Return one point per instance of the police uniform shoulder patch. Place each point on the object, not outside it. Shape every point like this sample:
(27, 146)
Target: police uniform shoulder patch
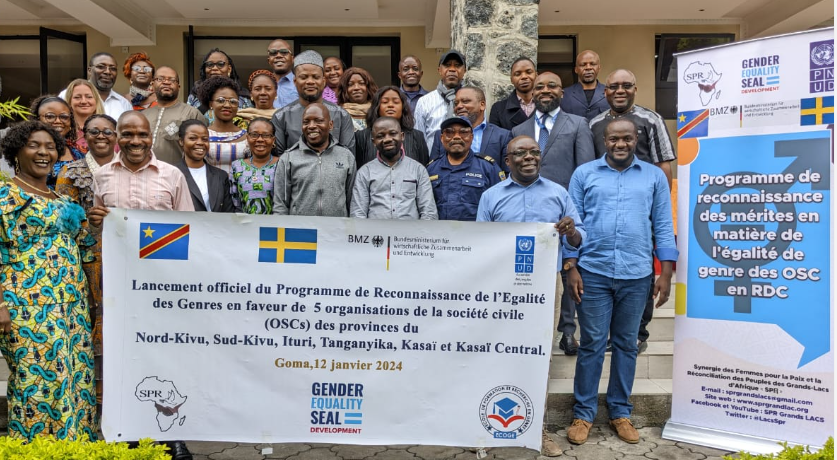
(434, 177)
(502, 175)
(486, 158)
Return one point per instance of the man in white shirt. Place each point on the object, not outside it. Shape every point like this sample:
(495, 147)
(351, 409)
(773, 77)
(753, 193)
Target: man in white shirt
(102, 72)
(436, 106)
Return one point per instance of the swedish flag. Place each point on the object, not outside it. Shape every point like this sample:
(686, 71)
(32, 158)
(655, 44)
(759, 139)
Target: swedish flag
(816, 111)
(164, 241)
(288, 245)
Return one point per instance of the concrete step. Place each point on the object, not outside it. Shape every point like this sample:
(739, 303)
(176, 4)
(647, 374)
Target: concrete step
(651, 399)
(654, 363)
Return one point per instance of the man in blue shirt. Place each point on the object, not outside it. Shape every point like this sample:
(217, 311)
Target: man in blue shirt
(528, 197)
(459, 176)
(489, 140)
(280, 57)
(620, 200)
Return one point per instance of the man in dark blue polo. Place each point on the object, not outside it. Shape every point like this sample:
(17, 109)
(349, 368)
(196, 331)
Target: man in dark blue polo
(459, 176)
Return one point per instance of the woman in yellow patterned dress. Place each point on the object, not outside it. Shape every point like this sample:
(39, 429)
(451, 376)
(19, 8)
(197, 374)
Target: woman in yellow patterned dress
(44, 317)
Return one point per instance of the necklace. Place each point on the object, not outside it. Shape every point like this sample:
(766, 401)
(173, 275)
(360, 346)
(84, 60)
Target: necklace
(269, 162)
(45, 192)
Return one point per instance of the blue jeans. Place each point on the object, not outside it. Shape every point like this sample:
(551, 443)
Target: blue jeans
(608, 306)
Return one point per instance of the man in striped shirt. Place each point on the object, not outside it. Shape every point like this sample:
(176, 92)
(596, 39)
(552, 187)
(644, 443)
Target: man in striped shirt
(437, 106)
(653, 145)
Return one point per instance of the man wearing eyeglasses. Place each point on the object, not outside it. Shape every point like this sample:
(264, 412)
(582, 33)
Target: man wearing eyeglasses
(459, 177)
(165, 118)
(653, 145)
(102, 71)
(280, 56)
(565, 142)
(529, 197)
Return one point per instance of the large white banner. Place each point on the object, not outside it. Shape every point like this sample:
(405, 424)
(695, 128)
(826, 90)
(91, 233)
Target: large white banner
(223, 327)
(754, 343)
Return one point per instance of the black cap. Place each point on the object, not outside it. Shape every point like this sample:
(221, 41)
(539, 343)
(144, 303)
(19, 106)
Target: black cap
(455, 121)
(452, 54)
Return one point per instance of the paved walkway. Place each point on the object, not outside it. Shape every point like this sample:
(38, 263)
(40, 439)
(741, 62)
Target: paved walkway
(602, 445)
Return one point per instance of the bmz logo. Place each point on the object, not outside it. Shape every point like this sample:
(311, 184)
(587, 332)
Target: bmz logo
(506, 412)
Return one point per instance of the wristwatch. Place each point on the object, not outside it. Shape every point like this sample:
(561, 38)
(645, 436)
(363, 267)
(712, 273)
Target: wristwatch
(568, 264)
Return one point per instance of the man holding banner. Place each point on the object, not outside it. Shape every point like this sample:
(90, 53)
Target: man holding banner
(528, 197)
(615, 195)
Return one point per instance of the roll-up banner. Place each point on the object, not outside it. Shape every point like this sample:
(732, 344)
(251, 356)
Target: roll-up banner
(753, 342)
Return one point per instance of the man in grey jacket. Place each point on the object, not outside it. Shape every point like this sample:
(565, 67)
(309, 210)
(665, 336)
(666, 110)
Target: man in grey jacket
(310, 81)
(315, 176)
(393, 185)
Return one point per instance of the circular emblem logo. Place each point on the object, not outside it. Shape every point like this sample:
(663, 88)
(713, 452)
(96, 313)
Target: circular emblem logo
(524, 244)
(377, 241)
(506, 412)
(823, 54)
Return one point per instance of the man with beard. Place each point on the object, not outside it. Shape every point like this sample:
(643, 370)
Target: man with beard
(459, 176)
(309, 78)
(587, 97)
(518, 107)
(165, 118)
(489, 140)
(393, 186)
(323, 173)
(410, 73)
(137, 180)
(528, 197)
(565, 143)
(280, 57)
(653, 145)
(620, 199)
(101, 71)
(436, 106)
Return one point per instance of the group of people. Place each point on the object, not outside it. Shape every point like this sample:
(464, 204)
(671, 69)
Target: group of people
(308, 136)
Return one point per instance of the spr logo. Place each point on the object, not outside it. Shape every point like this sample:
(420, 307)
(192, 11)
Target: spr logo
(506, 412)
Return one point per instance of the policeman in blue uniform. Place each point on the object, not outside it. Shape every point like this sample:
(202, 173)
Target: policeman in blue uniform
(460, 176)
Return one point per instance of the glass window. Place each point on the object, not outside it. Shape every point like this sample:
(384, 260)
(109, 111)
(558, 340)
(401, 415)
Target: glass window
(20, 70)
(557, 54)
(377, 60)
(666, 75)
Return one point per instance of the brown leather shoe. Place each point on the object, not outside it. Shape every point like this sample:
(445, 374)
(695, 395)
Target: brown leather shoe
(548, 447)
(625, 430)
(577, 432)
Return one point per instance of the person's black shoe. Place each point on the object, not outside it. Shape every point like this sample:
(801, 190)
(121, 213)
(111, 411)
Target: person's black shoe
(568, 344)
(178, 450)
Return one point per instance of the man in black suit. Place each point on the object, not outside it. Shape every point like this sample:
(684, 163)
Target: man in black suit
(587, 97)
(518, 107)
(565, 142)
(489, 140)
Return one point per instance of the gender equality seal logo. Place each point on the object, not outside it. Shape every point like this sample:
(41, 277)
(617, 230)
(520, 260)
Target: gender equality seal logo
(506, 412)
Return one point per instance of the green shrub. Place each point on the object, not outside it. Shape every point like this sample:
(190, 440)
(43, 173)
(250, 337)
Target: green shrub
(46, 448)
(793, 453)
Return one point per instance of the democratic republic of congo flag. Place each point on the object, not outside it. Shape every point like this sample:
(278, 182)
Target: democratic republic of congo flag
(164, 241)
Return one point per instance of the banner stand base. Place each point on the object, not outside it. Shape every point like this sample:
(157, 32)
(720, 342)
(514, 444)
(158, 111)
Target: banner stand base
(723, 440)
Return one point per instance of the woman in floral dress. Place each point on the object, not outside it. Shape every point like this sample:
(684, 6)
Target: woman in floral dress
(44, 318)
(252, 178)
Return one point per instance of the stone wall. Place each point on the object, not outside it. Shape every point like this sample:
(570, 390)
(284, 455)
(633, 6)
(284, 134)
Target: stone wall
(492, 34)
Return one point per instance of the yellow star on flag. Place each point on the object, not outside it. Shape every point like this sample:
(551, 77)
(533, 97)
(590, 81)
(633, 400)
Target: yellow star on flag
(148, 232)
(682, 118)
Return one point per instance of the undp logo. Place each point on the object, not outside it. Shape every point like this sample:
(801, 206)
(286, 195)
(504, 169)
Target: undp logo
(506, 412)
(524, 255)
